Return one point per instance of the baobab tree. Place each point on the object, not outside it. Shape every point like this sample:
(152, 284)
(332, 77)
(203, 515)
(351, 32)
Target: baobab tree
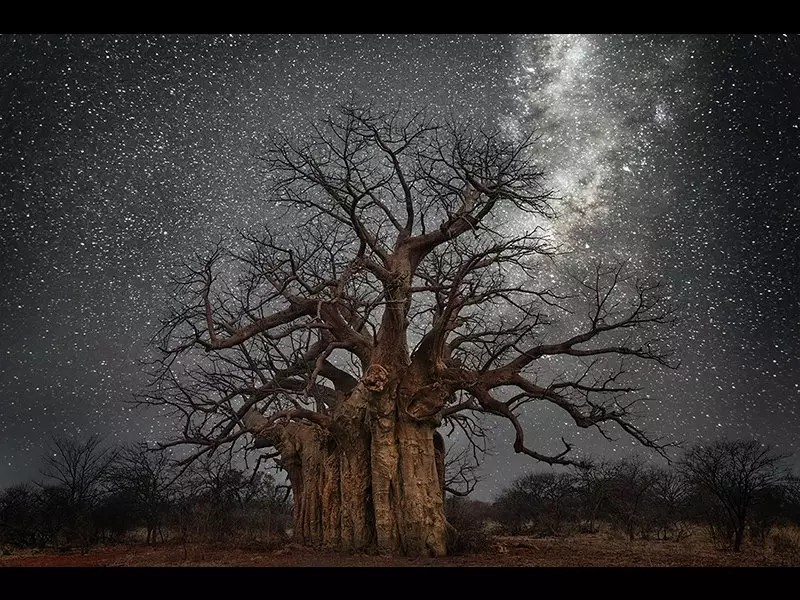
(390, 300)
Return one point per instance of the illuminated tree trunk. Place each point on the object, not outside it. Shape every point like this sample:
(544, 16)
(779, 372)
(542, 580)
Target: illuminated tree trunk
(408, 500)
(371, 482)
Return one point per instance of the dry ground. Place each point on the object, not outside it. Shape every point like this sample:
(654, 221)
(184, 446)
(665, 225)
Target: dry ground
(579, 550)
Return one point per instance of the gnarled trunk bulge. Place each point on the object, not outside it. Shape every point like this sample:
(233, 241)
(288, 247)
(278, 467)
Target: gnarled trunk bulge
(370, 481)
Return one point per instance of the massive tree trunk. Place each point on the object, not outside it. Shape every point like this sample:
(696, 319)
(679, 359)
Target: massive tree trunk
(369, 482)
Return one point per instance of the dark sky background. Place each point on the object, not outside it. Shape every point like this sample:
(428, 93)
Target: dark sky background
(119, 155)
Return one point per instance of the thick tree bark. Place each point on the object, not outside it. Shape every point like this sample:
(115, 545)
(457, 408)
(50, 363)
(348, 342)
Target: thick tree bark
(372, 482)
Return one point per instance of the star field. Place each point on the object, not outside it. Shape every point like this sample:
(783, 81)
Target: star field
(121, 155)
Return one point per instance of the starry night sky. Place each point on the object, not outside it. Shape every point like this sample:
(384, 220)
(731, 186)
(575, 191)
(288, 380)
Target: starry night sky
(120, 155)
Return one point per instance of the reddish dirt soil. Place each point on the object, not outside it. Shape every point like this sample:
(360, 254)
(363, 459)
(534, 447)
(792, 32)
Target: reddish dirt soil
(581, 550)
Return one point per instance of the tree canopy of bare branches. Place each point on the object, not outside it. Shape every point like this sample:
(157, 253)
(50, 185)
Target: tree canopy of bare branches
(387, 301)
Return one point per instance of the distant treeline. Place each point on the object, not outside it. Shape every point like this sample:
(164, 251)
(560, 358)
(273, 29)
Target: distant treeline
(734, 489)
(90, 493)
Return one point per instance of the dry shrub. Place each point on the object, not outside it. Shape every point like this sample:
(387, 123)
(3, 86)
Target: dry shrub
(786, 543)
(468, 531)
(469, 540)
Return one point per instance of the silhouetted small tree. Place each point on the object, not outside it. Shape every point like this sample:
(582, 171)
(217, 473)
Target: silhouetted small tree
(593, 488)
(80, 468)
(732, 476)
(144, 483)
(630, 497)
(76, 480)
(668, 507)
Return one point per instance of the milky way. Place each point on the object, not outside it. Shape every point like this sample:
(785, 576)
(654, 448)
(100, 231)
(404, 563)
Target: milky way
(119, 156)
